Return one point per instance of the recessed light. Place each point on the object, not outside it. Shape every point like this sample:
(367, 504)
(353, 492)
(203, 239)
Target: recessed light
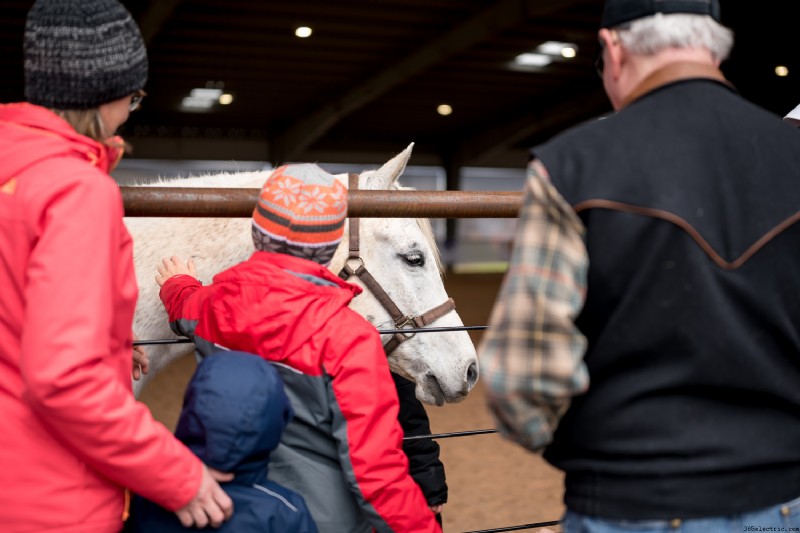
(551, 48)
(532, 60)
(225, 99)
(208, 94)
(781, 71)
(558, 48)
(201, 99)
(195, 103)
(569, 52)
(444, 110)
(303, 32)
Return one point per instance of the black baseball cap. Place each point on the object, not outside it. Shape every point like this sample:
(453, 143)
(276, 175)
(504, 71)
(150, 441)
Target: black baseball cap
(617, 12)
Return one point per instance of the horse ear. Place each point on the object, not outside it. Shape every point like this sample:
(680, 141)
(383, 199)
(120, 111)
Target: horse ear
(384, 177)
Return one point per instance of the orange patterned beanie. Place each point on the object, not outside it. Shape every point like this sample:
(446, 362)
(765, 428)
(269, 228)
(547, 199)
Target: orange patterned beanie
(300, 212)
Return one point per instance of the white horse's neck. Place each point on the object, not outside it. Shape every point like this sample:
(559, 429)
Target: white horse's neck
(400, 253)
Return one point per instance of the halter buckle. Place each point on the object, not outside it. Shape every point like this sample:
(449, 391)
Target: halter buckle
(402, 323)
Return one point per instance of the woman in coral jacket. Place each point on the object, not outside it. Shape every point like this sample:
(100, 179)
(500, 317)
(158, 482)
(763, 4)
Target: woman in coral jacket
(72, 436)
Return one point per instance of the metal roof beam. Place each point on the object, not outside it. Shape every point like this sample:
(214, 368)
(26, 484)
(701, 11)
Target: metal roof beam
(499, 16)
(503, 136)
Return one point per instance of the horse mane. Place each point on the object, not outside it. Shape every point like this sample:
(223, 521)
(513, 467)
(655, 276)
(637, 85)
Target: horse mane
(427, 231)
(245, 180)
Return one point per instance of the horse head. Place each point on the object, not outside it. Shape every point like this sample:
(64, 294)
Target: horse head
(402, 257)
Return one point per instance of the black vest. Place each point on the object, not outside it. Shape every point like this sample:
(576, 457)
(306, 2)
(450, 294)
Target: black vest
(691, 199)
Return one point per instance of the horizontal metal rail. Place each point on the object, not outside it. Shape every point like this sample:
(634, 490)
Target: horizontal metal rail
(432, 330)
(212, 202)
(517, 528)
(452, 434)
(381, 331)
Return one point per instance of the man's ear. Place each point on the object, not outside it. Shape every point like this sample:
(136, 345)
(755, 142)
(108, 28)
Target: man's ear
(605, 35)
(615, 54)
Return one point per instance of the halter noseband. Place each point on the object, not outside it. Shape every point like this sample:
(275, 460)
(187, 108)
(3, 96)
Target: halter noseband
(400, 320)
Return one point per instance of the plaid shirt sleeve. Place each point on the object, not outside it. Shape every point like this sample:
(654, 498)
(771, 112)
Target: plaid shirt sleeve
(532, 354)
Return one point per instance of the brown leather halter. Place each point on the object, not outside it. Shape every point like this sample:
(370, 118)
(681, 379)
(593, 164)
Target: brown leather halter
(400, 320)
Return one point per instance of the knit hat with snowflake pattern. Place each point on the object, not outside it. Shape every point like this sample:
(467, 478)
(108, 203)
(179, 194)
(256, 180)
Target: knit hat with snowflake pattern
(300, 212)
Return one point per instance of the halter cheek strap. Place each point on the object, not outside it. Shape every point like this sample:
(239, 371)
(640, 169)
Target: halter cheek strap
(360, 271)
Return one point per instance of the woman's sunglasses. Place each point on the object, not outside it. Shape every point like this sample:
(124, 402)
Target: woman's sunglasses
(136, 100)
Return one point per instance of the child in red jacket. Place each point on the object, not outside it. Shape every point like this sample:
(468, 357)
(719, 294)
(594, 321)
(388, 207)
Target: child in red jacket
(343, 450)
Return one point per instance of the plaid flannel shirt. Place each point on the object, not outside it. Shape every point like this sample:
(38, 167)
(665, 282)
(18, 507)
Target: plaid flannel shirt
(532, 354)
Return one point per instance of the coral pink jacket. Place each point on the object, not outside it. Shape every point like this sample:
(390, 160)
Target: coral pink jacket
(71, 433)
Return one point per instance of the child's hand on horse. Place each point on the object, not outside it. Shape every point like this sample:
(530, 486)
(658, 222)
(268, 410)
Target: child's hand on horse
(174, 266)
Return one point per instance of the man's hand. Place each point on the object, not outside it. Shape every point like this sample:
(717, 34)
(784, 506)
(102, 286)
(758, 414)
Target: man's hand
(174, 266)
(211, 505)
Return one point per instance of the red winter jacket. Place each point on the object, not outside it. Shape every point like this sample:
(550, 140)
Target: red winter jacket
(342, 451)
(71, 433)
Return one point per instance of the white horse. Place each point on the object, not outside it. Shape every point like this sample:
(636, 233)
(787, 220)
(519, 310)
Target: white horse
(400, 254)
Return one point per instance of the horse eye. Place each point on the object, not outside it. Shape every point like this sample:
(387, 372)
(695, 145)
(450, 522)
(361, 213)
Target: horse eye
(414, 259)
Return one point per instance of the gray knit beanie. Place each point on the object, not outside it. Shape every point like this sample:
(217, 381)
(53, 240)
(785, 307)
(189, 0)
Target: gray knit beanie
(80, 54)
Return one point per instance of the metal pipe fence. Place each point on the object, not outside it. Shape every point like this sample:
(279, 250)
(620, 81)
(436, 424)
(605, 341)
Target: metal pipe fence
(199, 202)
(212, 202)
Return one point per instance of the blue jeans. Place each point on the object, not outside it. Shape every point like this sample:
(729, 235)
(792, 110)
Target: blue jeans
(784, 517)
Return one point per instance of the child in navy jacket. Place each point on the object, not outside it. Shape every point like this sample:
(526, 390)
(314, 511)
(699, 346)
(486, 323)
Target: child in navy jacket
(233, 416)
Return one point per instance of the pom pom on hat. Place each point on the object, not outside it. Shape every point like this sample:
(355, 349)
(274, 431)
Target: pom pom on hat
(80, 54)
(301, 212)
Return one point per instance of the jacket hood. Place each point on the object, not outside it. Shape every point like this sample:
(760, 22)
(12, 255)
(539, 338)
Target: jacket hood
(292, 299)
(234, 413)
(32, 133)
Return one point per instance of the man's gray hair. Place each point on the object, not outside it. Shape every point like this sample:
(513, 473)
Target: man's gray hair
(650, 35)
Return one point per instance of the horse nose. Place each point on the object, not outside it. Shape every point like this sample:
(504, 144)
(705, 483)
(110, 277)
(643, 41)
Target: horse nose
(472, 376)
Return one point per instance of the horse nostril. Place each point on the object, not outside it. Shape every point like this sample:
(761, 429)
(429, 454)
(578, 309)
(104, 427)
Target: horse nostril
(472, 375)
(435, 389)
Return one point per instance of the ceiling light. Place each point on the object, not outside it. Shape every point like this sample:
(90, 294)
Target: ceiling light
(196, 104)
(558, 48)
(201, 99)
(303, 32)
(781, 71)
(225, 99)
(532, 60)
(208, 94)
(551, 48)
(444, 110)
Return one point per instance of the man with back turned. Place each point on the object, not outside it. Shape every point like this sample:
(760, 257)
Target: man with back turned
(647, 334)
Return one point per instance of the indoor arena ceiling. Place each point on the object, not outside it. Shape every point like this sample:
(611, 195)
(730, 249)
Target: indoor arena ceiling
(369, 78)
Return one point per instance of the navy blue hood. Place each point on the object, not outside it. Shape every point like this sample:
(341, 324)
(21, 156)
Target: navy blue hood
(234, 413)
